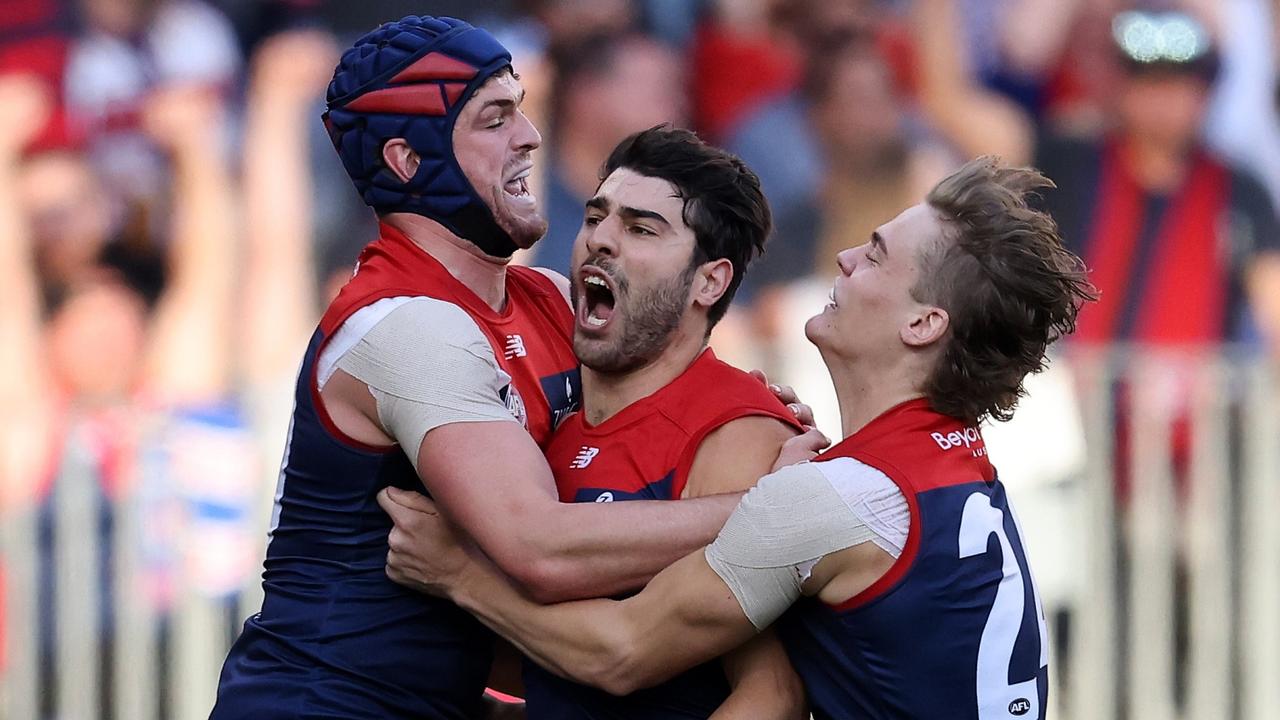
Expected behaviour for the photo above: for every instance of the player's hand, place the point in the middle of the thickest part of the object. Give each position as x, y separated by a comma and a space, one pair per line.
425, 553
787, 395
801, 448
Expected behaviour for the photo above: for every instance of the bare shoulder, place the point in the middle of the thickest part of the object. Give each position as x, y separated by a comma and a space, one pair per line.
561, 281
735, 455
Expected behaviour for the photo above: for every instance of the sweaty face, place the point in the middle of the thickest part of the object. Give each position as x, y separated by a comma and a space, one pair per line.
632, 274
871, 299
494, 142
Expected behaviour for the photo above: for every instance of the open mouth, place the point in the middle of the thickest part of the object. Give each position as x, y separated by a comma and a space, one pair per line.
518, 186
596, 308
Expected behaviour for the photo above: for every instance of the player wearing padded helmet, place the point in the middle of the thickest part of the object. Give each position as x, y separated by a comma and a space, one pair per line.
438, 365
406, 84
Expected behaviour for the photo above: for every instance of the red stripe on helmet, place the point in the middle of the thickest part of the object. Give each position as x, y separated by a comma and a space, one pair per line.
435, 66
404, 100
453, 91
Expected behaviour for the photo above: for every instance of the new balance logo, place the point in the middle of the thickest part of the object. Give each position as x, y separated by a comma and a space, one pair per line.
515, 347
584, 458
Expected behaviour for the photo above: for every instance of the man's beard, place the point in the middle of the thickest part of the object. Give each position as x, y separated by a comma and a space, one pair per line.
524, 230
648, 327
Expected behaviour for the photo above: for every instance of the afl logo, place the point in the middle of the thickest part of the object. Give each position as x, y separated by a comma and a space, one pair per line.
511, 398
605, 496
1020, 707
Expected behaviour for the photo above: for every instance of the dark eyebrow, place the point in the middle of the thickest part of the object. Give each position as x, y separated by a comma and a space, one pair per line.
504, 103
631, 213
877, 241
602, 204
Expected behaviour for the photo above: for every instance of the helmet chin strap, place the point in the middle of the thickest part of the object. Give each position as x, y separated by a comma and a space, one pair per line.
478, 226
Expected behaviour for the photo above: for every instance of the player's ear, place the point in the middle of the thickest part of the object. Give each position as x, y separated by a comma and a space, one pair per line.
926, 327
401, 159
712, 281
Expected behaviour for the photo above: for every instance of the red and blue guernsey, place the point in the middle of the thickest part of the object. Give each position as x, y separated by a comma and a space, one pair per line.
336, 638
644, 452
954, 630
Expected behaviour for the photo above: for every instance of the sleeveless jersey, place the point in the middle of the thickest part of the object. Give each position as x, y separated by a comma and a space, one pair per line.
644, 452
336, 638
955, 628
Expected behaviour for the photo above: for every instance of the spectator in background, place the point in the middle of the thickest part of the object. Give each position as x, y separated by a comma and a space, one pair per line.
128, 49
870, 151
606, 87
1183, 245
113, 376
777, 132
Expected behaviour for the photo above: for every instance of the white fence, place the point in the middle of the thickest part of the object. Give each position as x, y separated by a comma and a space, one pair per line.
1171, 597
1213, 549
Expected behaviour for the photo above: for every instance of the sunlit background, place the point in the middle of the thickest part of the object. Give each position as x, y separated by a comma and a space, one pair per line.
173, 220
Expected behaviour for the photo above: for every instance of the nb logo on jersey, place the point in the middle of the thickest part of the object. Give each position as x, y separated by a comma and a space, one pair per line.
515, 347
605, 496
1020, 707
584, 458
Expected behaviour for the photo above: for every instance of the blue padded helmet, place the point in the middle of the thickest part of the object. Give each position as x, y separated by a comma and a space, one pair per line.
409, 79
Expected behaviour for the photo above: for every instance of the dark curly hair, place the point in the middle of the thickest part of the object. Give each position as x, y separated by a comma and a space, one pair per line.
723, 203
1010, 287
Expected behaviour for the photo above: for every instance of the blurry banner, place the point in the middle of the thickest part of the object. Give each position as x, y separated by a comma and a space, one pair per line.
198, 486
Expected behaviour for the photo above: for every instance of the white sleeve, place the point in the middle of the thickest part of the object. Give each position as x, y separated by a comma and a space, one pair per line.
793, 519
427, 364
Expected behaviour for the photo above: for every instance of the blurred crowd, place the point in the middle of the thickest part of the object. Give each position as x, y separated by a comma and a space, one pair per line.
173, 218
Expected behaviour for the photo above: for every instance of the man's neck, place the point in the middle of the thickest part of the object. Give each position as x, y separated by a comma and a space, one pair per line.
865, 394
606, 394
485, 275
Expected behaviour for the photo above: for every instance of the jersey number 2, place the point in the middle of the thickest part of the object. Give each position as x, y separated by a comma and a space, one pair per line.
997, 699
